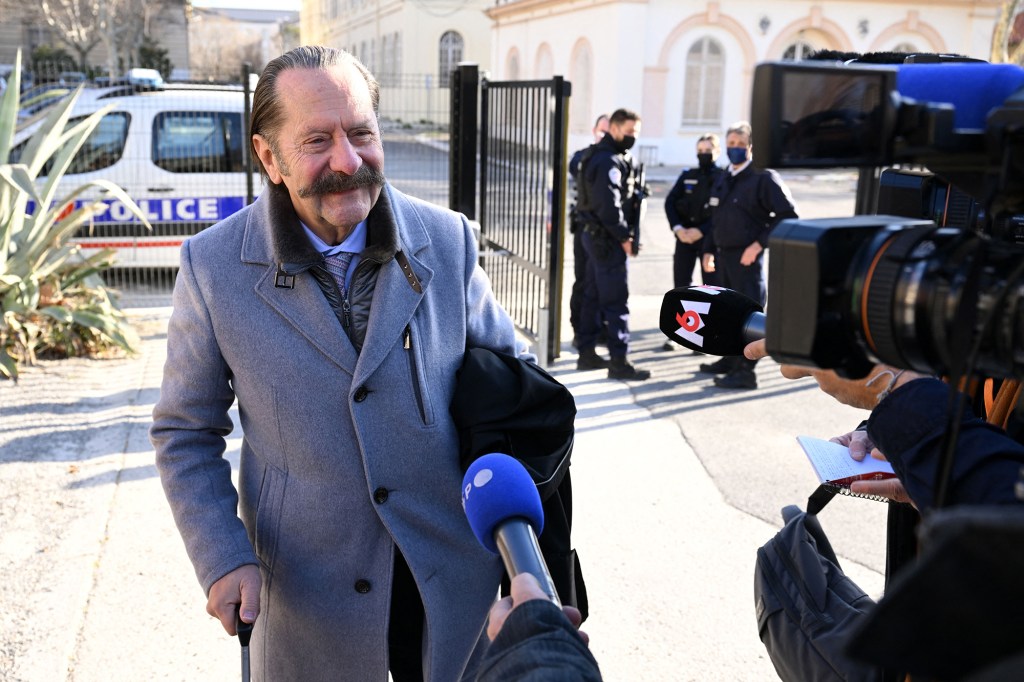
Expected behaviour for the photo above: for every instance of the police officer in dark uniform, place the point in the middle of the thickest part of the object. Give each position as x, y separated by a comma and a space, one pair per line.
689, 215
746, 204
579, 256
610, 195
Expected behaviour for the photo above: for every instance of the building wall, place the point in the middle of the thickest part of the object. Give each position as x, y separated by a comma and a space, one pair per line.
639, 49
362, 26
168, 28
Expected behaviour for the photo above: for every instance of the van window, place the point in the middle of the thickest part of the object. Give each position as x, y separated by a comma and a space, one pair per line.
198, 141
102, 149
104, 146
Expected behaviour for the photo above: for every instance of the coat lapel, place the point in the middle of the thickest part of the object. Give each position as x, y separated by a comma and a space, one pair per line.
274, 235
305, 308
394, 303
394, 299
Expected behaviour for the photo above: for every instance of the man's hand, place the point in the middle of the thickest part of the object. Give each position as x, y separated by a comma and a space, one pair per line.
750, 253
525, 588
689, 235
707, 262
627, 246
240, 586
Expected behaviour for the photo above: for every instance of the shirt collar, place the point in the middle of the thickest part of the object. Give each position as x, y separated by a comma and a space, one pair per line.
737, 171
355, 242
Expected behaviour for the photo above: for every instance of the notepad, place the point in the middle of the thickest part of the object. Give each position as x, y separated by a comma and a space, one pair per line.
835, 467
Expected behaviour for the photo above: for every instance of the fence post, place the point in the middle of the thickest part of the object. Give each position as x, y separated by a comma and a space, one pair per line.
560, 90
247, 135
463, 140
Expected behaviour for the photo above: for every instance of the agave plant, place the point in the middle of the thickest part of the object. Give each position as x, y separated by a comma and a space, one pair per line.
53, 302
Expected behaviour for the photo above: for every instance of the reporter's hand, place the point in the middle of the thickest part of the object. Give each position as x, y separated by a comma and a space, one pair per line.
890, 488
862, 393
526, 588
859, 443
239, 587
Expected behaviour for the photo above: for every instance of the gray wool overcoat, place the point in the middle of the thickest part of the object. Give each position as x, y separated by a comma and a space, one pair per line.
344, 455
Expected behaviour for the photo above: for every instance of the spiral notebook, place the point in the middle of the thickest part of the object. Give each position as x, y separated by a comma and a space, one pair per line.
837, 469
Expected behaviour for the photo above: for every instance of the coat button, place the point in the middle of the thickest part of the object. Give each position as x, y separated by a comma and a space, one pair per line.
361, 394
362, 586
380, 495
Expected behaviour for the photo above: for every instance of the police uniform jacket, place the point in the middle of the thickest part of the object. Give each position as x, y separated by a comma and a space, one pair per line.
343, 455
687, 202
609, 177
746, 207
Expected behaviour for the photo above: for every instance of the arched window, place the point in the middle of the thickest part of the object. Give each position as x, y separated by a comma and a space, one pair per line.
580, 119
797, 51
450, 55
512, 65
702, 89
544, 65
907, 48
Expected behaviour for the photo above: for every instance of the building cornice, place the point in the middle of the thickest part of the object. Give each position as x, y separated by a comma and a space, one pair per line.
511, 9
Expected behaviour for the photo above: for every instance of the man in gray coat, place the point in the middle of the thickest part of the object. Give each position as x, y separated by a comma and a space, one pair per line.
335, 310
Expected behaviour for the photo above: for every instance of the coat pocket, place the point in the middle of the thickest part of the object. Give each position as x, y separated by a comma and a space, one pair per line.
268, 516
418, 376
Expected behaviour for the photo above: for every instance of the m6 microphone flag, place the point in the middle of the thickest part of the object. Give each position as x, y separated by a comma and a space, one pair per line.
711, 320
504, 510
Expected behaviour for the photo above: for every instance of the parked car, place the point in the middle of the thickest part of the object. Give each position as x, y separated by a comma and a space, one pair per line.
147, 78
177, 152
69, 79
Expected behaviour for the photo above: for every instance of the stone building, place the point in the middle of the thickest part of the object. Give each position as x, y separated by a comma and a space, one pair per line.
687, 65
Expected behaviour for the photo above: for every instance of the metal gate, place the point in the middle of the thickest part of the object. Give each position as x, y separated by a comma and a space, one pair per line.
522, 188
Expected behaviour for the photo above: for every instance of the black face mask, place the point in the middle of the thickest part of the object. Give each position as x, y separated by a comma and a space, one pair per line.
705, 161
626, 142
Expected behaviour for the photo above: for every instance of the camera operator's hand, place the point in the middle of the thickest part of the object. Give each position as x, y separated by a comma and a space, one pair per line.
707, 262
750, 253
525, 588
863, 393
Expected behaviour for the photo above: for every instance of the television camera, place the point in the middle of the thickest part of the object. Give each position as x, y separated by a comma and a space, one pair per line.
933, 280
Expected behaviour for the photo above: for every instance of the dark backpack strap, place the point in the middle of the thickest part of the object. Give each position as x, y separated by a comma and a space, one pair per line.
819, 498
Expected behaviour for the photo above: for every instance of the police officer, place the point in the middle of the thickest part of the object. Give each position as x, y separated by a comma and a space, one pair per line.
610, 202
579, 256
746, 204
689, 215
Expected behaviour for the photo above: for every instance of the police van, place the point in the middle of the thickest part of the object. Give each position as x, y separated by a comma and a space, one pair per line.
177, 152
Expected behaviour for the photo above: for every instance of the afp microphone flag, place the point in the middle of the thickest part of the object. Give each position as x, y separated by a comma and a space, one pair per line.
707, 319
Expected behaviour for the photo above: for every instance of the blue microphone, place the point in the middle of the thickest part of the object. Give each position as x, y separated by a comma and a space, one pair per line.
973, 88
505, 513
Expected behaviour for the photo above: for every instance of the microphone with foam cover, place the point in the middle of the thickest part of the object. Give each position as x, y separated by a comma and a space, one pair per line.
973, 88
504, 510
711, 320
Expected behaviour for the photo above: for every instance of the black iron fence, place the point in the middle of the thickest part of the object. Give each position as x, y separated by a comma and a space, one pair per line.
181, 153
522, 201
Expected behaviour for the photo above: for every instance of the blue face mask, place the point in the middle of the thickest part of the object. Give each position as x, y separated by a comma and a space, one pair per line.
737, 155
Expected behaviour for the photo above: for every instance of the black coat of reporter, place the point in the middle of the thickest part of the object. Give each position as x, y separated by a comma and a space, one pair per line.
908, 427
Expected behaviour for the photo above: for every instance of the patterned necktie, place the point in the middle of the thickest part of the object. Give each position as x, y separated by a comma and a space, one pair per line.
337, 265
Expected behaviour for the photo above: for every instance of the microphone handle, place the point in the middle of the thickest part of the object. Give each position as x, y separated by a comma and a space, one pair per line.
519, 549
754, 328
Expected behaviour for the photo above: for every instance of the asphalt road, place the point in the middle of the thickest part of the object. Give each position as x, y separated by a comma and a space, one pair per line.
746, 440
